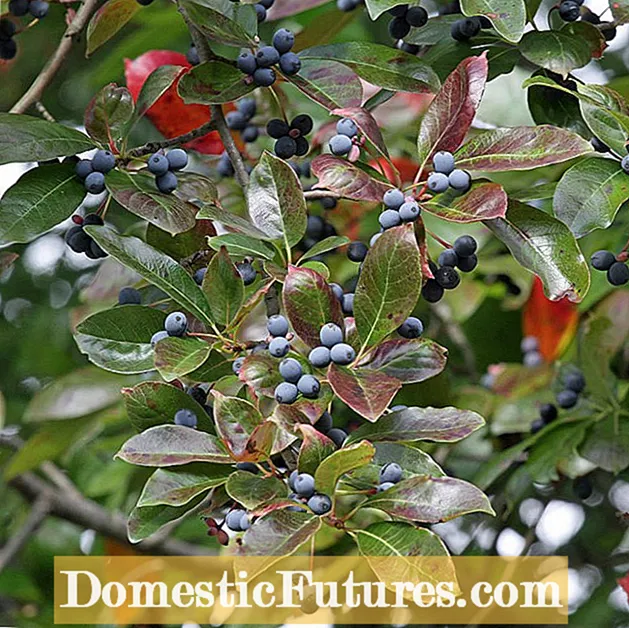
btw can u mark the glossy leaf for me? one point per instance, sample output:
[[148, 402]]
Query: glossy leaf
[[410, 361], [213, 82], [380, 65], [233, 221], [607, 445], [119, 339], [389, 285], [171, 445], [261, 373], [176, 357], [323, 246], [309, 304], [108, 20], [347, 179], [41, 198], [484, 201], [430, 500], [440, 425], [287, 8], [251, 491], [508, 17], [156, 85], [377, 7], [366, 392], [240, 245], [276, 200], [546, 247], [447, 120], [315, 448], [340, 462], [235, 419], [183, 244], [139, 194], [520, 148], [161, 270], [108, 114], [589, 194], [223, 287]]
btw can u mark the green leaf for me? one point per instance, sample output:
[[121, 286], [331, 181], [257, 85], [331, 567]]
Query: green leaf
[[389, 285], [252, 491], [430, 500], [347, 179], [520, 148], [108, 20], [620, 11], [213, 82], [240, 245], [546, 247], [223, 287], [367, 392], [261, 373], [172, 445], [276, 200], [24, 138], [176, 357], [508, 17], [154, 403], [409, 360], [563, 50], [237, 223], [450, 114], [483, 202], [108, 114], [155, 86], [315, 448], [380, 65], [328, 83], [183, 244], [224, 21], [589, 194], [343, 461], [42, 198], [309, 304], [440, 425], [177, 486], [236, 420], [155, 267], [377, 7], [139, 194], [323, 246], [607, 445], [119, 339]]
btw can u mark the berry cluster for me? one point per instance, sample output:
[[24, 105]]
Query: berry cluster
[[324, 425], [262, 7], [346, 298], [570, 10], [617, 272], [8, 47], [446, 176], [348, 5], [240, 120], [92, 171], [390, 475], [398, 209], [317, 229], [129, 296], [332, 348], [463, 256], [342, 142], [81, 242], [303, 485], [295, 382], [186, 418], [466, 28], [404, 18], [163, 166], [176, 324], [530, 349], [260, 65], [37, 8], [290, 138]]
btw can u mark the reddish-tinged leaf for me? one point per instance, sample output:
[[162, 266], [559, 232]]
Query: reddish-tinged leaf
[[521, 148], [251, 491], [235, 419], [366, 392], [410, 361], [170, 445], [108, 20], [273, 505], [108, 113], [483, 202], [315, 448], [450, 114], [405, 166], [304, 410], [261, 373], [346, 179], [169, 114], [366, 123], [309, 303], [261, 443], [286, 8], [431, 500]]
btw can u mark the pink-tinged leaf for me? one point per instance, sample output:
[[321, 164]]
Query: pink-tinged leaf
[[261, 443], [348, 180], [328, 83], [287, 8], [275, 504], [450, 114], [366, 392], [108, 20], [236, 420], [341, 462], [304, 411], [410, 361], [431, 500], [483, 202], [315, 448], [367, 124], [261, 373], [7, 259], [440, 425], [170, 445], [521, 148], [309, 303], [108, 113]]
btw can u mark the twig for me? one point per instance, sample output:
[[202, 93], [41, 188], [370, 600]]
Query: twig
[[35, 91], [44, 112], [37, 515], [152, 147]]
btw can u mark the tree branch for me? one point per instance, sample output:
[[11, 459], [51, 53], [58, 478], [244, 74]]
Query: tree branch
[[35, 91], [153, 147]]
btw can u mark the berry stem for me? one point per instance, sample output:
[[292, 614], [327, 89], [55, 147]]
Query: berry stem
[[441, 241], [278, 102]]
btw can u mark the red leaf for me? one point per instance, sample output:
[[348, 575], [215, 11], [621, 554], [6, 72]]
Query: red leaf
[[406, 167], [169, 114], [624, 584]]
